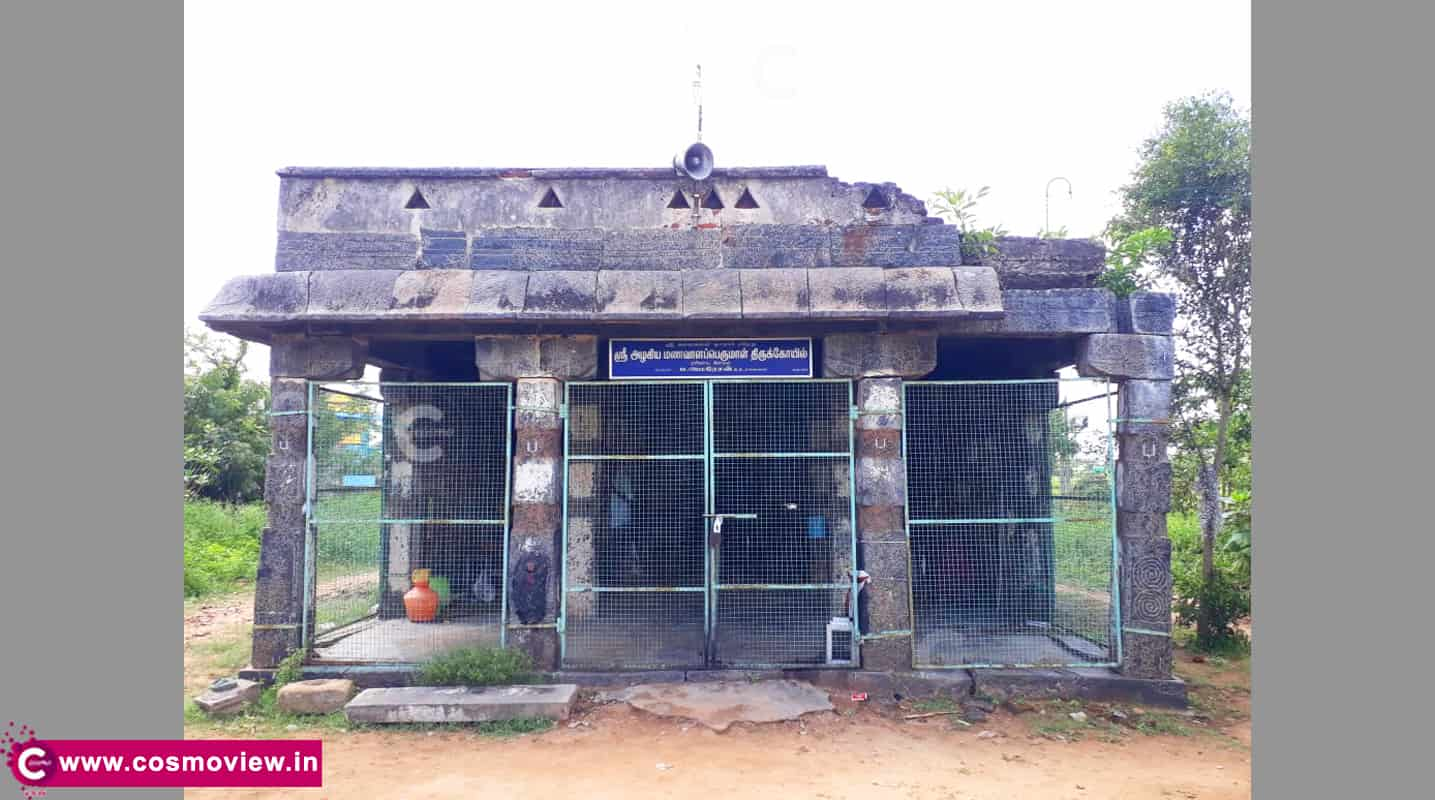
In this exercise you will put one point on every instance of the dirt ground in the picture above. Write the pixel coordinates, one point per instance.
(862, 750)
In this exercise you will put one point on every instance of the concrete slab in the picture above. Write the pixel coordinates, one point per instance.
(462, 703)
(719, 704)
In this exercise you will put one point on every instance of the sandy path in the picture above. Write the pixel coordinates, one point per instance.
(854, 753)
(829, 755)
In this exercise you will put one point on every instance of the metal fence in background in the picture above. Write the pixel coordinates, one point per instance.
(408, 481)
(1011, 523)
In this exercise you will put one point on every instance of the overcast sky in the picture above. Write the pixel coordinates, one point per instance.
(959, 94)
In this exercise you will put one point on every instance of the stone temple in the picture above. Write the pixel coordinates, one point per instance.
(765, 422)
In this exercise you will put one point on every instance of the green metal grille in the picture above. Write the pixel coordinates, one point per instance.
(648, 580)
(781, 454)
(1011, 523)
(406, 477)
(634, 553)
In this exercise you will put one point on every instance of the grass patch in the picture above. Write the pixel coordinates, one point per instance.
(347, 556)
(1235, 647)
(1053, 720)
(503, 729)
(1159, 724)
(221, 545)
(497, 729)
(931, 705)
(224, 655)
(1082, 541)
(476, 666)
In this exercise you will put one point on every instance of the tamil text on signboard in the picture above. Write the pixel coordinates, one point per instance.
(709, 358)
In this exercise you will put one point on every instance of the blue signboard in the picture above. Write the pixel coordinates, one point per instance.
(650, 359)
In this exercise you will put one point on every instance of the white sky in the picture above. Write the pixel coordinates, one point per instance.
(959, 94)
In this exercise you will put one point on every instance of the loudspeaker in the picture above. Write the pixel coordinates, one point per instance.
(696, 162)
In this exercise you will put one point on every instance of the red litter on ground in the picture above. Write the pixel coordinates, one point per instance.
(859, 697)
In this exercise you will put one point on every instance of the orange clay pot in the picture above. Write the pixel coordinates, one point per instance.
(421, 602)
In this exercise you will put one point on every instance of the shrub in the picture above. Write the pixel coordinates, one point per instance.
(291, 669)
(1128, 253)
(226, 425)
(1226, 600)
(221, 545)
(476, 666)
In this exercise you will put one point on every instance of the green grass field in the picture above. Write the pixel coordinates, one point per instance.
(221, 546)
(347, 556)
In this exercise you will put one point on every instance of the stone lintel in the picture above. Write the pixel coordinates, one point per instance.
(327, 358)
(507, 358)
(868, 355)
(1126, 356)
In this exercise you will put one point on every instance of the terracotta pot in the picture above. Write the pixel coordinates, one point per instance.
(421, 602)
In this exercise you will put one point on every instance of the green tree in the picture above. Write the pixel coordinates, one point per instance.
(226, 430)
(1128, 253)
(1194, 180)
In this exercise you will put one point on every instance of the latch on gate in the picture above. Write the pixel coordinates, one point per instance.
(717, 519)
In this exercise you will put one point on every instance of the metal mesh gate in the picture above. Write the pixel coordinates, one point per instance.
(782, 478)
(634, 590)
(1011, 523)
(408, 482)
(651, 578)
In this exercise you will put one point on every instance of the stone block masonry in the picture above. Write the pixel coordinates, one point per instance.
(1143, 478)
(535, 559)
(280, 580)
(880, 362)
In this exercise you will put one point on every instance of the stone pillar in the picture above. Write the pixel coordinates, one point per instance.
(1143, 364)
(881, 526)
(539, 365)
(1143, 497)
(279, 586)
(401, 495)
(879, 362)
(279, 599)
(534, 586)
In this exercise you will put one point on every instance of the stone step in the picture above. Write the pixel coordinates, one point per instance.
(462, 703)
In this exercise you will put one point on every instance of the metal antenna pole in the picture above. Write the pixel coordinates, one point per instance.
(1047, 229)
(698, 99)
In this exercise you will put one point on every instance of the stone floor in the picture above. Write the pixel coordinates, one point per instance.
(627, 643)
(955, 646)
(400, 641)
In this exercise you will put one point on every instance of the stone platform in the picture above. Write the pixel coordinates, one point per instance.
(1085, 683)
(427, 704)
